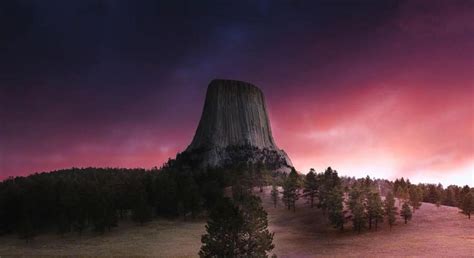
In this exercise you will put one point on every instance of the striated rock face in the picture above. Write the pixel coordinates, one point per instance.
(234, 127)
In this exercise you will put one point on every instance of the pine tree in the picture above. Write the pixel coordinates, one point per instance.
(256, 238)
(357, 206)
(406, 212)
(465, 190)
(290, 190)
(439, 195)
(223, 229)
(450, 196)
(335, 208)
(390, 209)
(310, 187)
(326, 182)
(275, 195)
(237, 230)
(368, 185)
(141, 212)
(402, 194)
(374, 209)
(415, 197)
(188, 194)
(467, 204)
(260, 175)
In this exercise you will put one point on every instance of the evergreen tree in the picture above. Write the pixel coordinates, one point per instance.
(310, 187)
(335, 208)
(439, 195)
(188, 194)
(374, 209)
(223, 231)
(415, 197)
(326, 182)
(357, 206)
(390, 209)
(256, 239)
(166, 191)
(467, 204)
(406, 212)
(234, 231)
(142, 211)
(368, 186)
(243, 183)
(260, 175)
(275, 195)
(465, 190)
(450, 199)
(402, 194)
(290, 190)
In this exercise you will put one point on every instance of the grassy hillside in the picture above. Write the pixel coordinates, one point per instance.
(432, 232)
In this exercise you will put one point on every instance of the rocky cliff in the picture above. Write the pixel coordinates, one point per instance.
(234, 127)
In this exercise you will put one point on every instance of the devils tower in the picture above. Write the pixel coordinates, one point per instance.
(234, 127)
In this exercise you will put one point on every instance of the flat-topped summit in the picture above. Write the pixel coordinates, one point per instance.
(234, 120)
(234, 114)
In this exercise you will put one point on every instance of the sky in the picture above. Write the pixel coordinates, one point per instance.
(379, 88)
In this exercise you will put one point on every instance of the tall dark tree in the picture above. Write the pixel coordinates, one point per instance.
(462, 193)
(256, 238)
(310, 187)
(142, 211)
(290, 190)
(467, 204)
(357, 207)
(243, 181)
(435, 194)
(260, 175)
(275, 195)
(374, 209)
(439, 195)
(188, 194)
(402, 194)
(415, 197)
(406, 212)
(234, 231)
(336, 208)
(326, 182)
(390, 209)
(450, 195)
(223, 231)
(166, 191)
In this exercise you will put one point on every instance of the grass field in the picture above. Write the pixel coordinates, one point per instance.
(433, 231)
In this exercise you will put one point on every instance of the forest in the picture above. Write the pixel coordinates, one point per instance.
(97, 199)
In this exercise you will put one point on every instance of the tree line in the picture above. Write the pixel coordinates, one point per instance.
(76, 200)
(453, 195)
(96, 199)
(360, 201)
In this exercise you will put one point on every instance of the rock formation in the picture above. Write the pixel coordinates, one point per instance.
(234, 127)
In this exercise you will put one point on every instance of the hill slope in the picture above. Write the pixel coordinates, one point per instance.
(432, 232)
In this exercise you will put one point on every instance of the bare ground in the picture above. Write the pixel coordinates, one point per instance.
(433, 231)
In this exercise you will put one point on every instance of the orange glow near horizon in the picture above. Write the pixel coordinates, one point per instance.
(424, 133)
